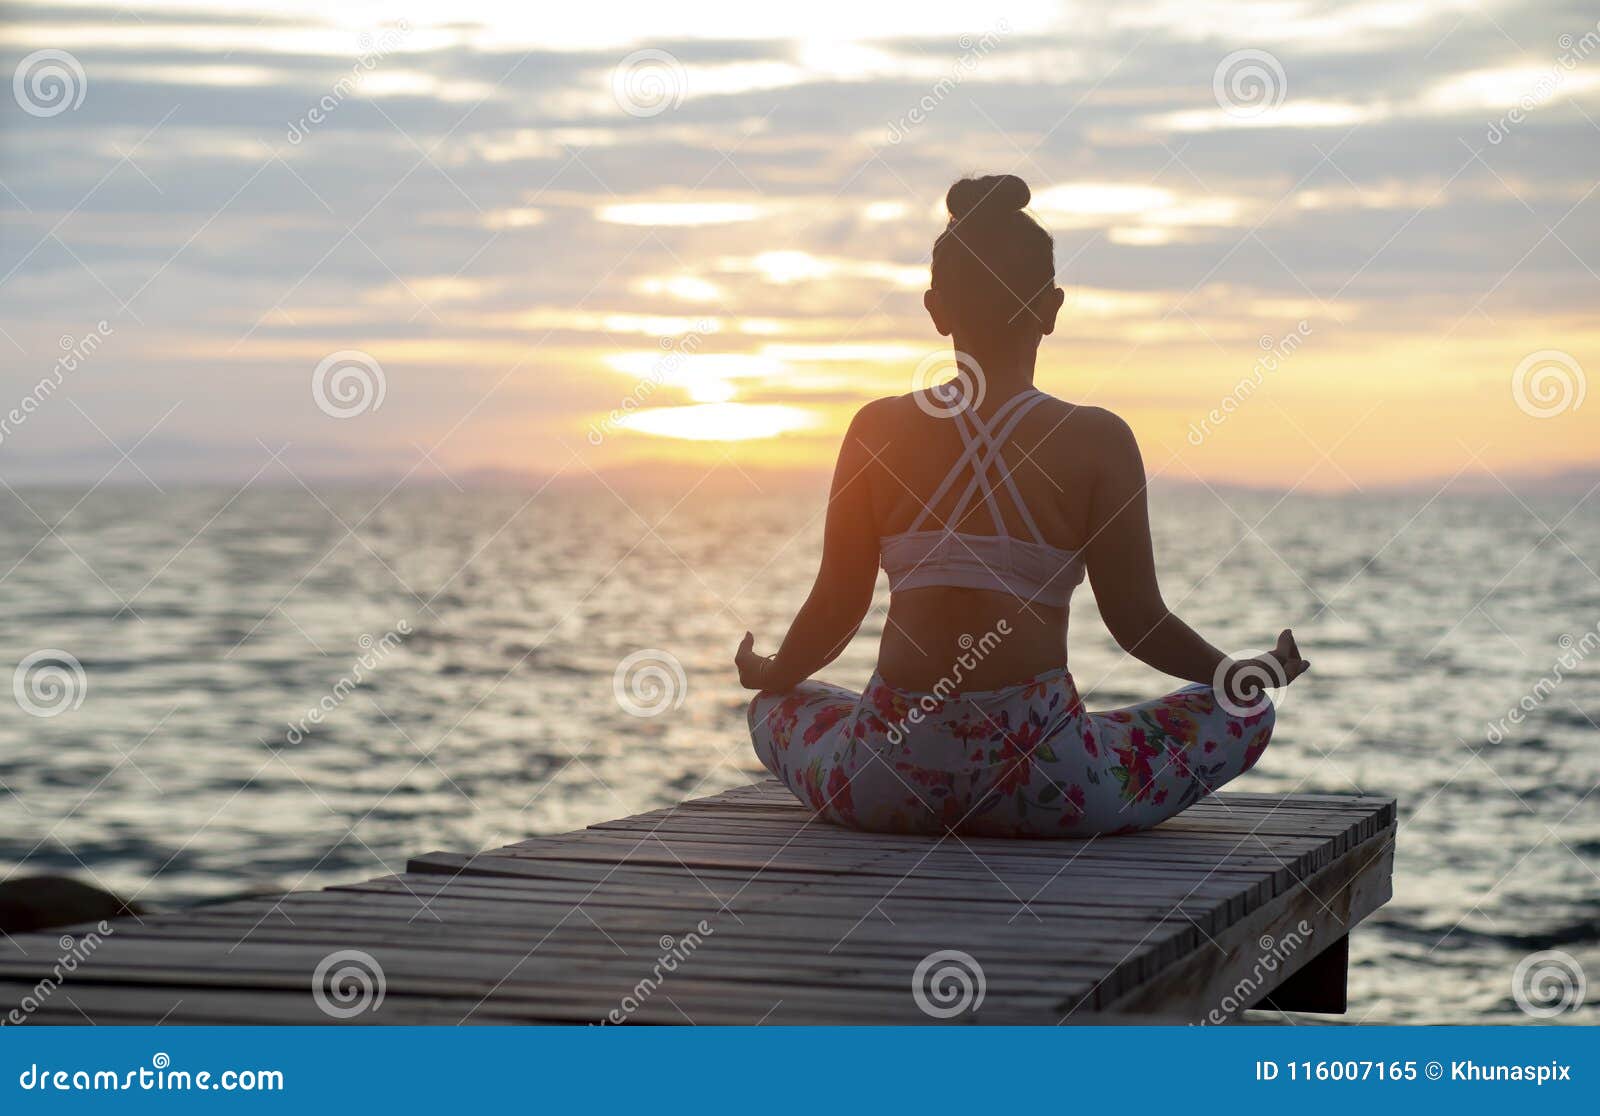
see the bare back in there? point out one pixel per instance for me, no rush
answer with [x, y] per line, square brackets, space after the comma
[933, 633]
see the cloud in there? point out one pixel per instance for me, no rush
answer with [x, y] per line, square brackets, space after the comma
[474, 199]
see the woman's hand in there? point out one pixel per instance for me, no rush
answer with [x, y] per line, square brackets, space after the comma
[1287, 656]
[754, 670]
[1244, 679]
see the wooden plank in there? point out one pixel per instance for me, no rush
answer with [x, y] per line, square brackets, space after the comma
[1226, 979]
[810, 922]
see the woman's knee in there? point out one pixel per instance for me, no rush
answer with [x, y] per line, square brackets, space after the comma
[1253, 720]
[1264, 719]
[1256, 732]
[759, 715]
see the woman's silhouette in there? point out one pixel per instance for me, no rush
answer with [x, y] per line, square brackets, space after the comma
[985, 501]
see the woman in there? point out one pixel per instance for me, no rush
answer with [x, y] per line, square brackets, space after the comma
[985, 501]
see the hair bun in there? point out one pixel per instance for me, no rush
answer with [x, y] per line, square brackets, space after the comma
[992, 193]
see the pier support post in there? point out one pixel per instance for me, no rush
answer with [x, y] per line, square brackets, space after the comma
[1321, 985]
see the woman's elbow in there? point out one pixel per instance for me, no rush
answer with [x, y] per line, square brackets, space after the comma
[853, 605]
[846, 593]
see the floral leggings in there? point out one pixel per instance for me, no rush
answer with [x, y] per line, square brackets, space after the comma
[1025, 761]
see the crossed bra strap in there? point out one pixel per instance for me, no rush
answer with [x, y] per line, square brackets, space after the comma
[983, 442]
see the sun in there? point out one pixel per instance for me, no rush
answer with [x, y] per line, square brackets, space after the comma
[721, 422]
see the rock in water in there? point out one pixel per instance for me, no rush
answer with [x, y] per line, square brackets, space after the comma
[40, 902]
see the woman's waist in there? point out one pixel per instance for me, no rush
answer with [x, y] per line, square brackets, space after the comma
[971, 639]
[953, 686]
[968, 663]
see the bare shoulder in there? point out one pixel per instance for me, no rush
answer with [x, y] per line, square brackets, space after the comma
[883, 414]
[1110, 429]
[1081, 426]
[874, 423]
[880, 411]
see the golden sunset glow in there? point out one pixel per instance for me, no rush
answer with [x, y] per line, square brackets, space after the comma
[720, 422]
[724, 239]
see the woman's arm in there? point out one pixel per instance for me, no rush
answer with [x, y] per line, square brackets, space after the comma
[1122, 570]
[842, 593]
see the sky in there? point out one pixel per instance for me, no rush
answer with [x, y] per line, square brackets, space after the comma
[1316, 245]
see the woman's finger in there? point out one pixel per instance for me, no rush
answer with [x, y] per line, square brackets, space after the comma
[1287, 649]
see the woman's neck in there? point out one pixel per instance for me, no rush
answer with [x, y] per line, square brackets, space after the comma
[1006, 369]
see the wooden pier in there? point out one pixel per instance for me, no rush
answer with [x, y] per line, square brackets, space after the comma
[743, 908]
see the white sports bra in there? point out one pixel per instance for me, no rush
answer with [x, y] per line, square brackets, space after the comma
[1033, 571]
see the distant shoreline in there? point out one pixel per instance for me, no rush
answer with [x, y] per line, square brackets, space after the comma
[671, 478]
